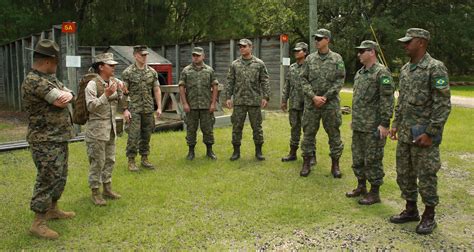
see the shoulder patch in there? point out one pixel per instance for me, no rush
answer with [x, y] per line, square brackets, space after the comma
[340, 65]
[385, 80]
[441, 82]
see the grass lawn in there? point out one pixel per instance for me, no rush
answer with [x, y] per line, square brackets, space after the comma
[246, 204]
[466, 91]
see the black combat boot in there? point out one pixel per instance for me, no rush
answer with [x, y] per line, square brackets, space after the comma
[312, 162]
[409, 214]
[292, 155]
[191, 154]
[258, 152]
[336, 173]
[361, 189]
[209, 153]
[236, 154]
[372, 197]
[427, 223]
[306, 167]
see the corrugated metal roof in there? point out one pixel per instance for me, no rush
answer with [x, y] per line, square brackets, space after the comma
[125, 53]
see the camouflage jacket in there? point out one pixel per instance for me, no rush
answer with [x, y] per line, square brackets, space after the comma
[101, 111]
[372, 102]
[293, 89]
[47, 122]
[140, 84]
[198, 82]
[323, 76]
[425, 98]
[248, 82]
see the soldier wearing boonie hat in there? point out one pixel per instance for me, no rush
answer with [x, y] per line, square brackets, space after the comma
[423, 108]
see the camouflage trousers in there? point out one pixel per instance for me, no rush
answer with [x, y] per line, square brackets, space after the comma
[139, 131]
[101, 160]
[295, 116]
[50, 159]
[422, 164]
[238, 120]
[332, 120]
[199, 118]
[367, 156]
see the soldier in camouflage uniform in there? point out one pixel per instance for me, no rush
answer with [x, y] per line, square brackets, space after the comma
[323, 77]
[102, 96]
[140, 81]
[198, 89]
[46, 100]
[372, 108]
[422, 110]
[248, 85]
[293, 91]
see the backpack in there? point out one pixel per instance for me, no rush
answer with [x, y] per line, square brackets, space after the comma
[81, 114]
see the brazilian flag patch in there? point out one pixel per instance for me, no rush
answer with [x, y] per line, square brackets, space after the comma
[340, 65]
[441, 82]
[385, 80]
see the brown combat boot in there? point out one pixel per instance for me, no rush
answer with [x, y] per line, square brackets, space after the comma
[108, 193]
[191, 153]
[427, 223]
[361, 189]
[40, 229]
[372, 197]
[209, 153]
[236, 153]
[131, 165]
[336, 172]
[306, 167]
[312, 162]
[409, 214]
[55, 213]
[97, 198]
[258, 152]
[146, 164]
[292, 155]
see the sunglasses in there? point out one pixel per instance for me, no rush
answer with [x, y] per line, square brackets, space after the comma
[243, 46]
[362, 51]
[319, 38]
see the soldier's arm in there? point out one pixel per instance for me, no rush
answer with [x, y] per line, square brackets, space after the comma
[386, 86]
[441, 100]
[265, 82]
[53, 95]
[182, 88]
[214, 87]
[340, 75]
[229, 89]
[286, 88]
[124, 100]
[157, 90]
[92, 101]
[307, 88]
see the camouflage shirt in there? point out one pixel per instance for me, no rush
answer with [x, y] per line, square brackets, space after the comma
[247, 81]
[140, 84]
[323, 75]
[372, 102]
[198, 81]
[425, 98]
[47, 122]
[293, 89]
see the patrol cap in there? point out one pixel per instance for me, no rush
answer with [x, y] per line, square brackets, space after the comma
[301, 46]
[47, 47]
[323, 33]
[415, 33]
[142, 49]
[245, 41]
[198, 50]
[107, 58]
[367, 44]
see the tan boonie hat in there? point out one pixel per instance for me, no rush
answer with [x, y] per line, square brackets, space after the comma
[415, 33]
[367, 44]
[198, 51]
[245, 41]
[107, 58]
[47, 47]
[301, 46]
[142, 49]
[323, 33]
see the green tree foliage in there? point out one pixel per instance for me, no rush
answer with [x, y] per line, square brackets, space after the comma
[157, 22]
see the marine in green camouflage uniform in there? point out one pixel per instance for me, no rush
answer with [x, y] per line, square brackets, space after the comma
[198, 88]
[293, 93]
[323, 77]
[142, 82]
[46, 101]
[248, 84]
[420, 115]
[372, 109]
[102, 94]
